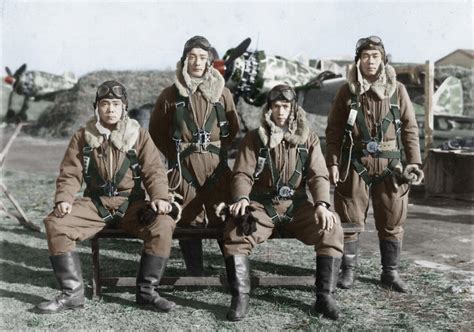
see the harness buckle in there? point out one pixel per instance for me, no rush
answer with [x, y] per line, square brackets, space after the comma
[136, 170]
[260, 166]
[119, 213]
[398, 125]
[177, 143]
[180, 104]
[87, 161]
[203, 138]
[372, 148]
[302, 149]
[108, 218]
[109, 189]
[285, 192]
[275, 216]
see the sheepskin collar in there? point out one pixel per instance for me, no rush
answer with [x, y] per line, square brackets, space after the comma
[123, 137]
[211, 85]
[272, 135]
[384, 86]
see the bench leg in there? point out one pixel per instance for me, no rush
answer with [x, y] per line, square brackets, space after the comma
[96, 286]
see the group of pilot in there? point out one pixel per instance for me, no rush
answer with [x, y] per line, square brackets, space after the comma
[193, 125]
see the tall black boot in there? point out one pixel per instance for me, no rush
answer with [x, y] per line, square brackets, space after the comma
[349, 263]
[149, 275]
[192, 254]
[327, 270]
[67, 269]
[238, 277]
[390, 253]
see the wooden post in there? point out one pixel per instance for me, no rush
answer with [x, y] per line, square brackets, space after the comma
[429, 121]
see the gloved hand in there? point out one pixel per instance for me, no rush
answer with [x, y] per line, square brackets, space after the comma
[414, 174]
[246, 223]
[147, 216]
[397, 176]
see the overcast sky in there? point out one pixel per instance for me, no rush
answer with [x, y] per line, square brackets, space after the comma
[83, 36]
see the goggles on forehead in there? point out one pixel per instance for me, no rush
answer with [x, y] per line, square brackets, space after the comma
[287, 95]
[117, 90]
[200, 43]
[375, 40]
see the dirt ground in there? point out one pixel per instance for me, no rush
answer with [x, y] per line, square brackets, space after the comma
[438, 233]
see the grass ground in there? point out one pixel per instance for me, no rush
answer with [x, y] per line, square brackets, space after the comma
[439, 300]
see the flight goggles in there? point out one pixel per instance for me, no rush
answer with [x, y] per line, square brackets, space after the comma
[375, 40]
[286, 94]
[117, 90]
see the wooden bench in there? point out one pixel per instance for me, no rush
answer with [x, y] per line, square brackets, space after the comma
[187, 233]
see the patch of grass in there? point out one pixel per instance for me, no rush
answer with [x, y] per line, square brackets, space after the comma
[26, 278]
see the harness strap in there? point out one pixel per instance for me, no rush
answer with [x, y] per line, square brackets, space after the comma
[360, 119]
[221, 120]
[287, 216]
[200, 136]
[264, 158]
[181, 108]
[182, 114]
[301, 167]
[392, 117]
[90, 171]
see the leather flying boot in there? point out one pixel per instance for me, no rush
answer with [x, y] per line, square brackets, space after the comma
[67, 269]
[390, 254]
[149, 275]
[192, 254]
[238, 277]
[327, 270]
[349, 263]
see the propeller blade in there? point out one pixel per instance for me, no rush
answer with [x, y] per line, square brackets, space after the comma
[238, 51]
[9, 72]
[20, 71]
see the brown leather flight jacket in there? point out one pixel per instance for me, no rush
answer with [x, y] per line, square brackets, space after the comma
[284, 156]
[375, 109]
[109, 156]
[201, 165]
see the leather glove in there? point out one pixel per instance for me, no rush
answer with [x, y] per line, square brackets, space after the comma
[147, 216]
[414, 174]
[245, 224]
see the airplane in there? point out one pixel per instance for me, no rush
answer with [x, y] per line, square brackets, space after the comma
[33, 84]
[251, 74]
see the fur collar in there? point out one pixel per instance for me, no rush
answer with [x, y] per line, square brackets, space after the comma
[272, 135]
[384, 86]
[211, 86]
[123, 137]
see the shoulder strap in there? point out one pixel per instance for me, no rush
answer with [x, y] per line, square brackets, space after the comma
[89, 169]
[360, 119]
[181, 116]
[264, 158]
[221, 119]
[86, 160]
[261, 159]
[300, 169]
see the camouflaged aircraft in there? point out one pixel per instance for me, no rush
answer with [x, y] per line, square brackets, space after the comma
[451, 129]
[33, 84]
[251, 74]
